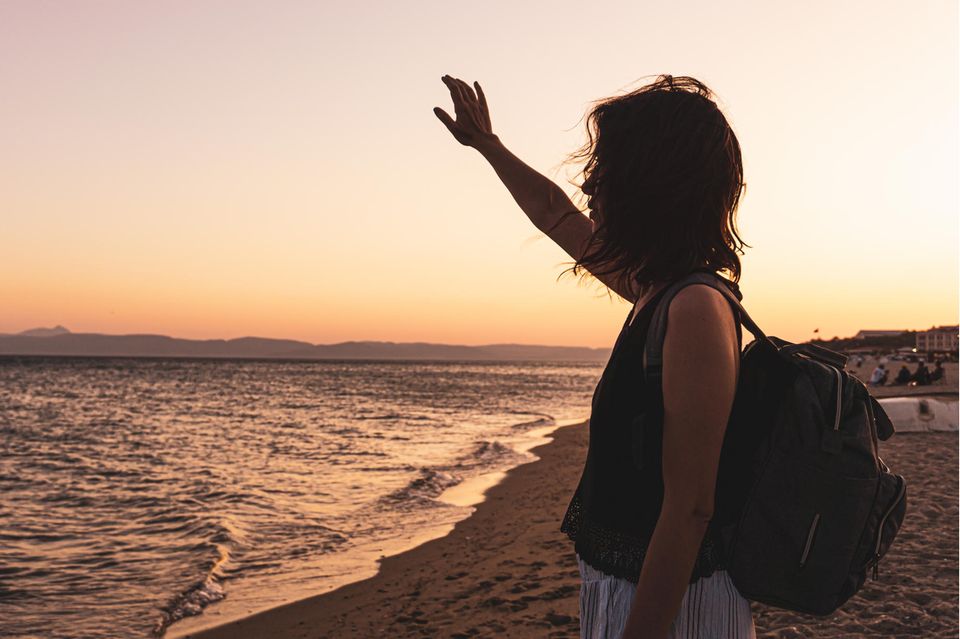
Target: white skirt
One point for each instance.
(711, 609)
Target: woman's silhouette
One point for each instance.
(663, 174)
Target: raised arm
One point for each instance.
(545, 203)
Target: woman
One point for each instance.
(664, 177)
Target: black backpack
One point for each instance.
(804, 504)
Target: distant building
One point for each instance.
(869, 334)
(860, 349)
(940, 339)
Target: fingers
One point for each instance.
(483, 104)
(445, 118)
(456, 91)
(480, 96)
(466, 89)
(463, 89)
(457, 132)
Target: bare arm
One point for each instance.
(700, 370)
(545, 203)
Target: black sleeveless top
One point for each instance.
(615, 507)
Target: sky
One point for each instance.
(225, 169)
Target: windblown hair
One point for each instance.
(668, 174)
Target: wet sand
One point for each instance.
(507, 570)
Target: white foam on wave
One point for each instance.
(426, 487)
(193, 600)
(543, 420)
(485, 453)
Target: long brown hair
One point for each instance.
(665, 165)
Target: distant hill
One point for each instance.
(46, 332)
(60, 341)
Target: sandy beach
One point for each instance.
(507, 571)
(947, 385)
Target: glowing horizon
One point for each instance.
(213, 171)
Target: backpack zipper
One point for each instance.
(806, 547)
(872, 426)
(876, 548)
(882, 465)
(836, 421)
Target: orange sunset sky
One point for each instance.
(222, 169)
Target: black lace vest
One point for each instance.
(615, 507)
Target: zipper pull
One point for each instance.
(876, 566)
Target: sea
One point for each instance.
(143, 496)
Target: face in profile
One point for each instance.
(589, 189)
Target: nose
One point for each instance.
(588, 184)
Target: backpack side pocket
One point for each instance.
(883, 524)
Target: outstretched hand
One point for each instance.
(472, 126)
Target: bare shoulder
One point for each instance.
(701, 337)
(700, 319)
(699, 302)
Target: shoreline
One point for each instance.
(507, 570)
(474, 492)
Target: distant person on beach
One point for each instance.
(663, 176)
(879, 375)
(903, 376)
(937, 373)
(922, 375)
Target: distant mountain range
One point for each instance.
(45, 332)
(60, 341)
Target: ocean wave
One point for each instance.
(344, 430)
(386, 469)
(543, 420)
(194, 599)
(424, 488)
(484, 454)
